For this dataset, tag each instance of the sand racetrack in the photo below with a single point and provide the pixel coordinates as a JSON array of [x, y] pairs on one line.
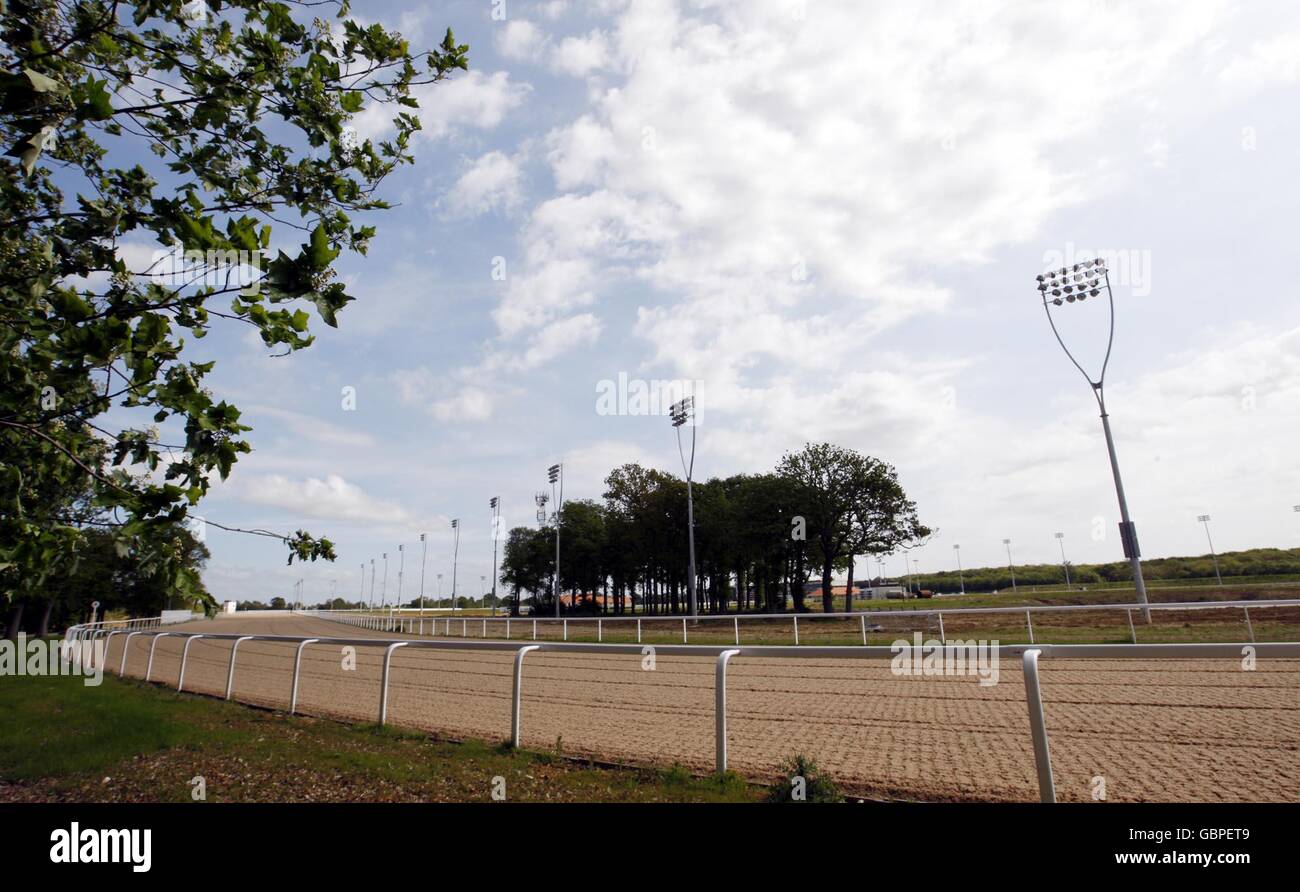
[[1159, 730]]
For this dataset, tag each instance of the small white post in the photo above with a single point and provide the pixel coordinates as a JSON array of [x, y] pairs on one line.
[[1029, 621], [1132, 632], [863, 620], [638, 630], [297, 665], [1249, 628], [600, 632], [566, 629], [796, 630], [1038, 725], [942, 639], [735, 621], [185, 656], [516, 694], [383, 682], [683, 630], [230, 672], [720, 709]]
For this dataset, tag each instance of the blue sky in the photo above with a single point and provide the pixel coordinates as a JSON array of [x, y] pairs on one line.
[[828, 216]]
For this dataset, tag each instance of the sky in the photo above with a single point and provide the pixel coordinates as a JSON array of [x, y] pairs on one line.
[[825, 219]]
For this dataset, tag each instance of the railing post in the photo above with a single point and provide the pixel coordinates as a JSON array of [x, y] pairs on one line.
[[736, 623], [720, 709], [126, 649], [484, 628], [942, 639], [153, 647], [1132, 632], [108, 642], [600, 632], [534, 630], [185, 656], [566, 630], [683, 630], [515, 695], [297, 665], [796, 630], [638, 630], [1249, 628], [863, 619], [1029, 621], [1038, 726], [383, 682], [230, 673], [507, 628]]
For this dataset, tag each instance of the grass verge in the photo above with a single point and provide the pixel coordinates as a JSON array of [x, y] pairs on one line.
[[125, 741]]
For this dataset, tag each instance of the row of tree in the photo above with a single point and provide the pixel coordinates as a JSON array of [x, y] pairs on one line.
[[758, 537]]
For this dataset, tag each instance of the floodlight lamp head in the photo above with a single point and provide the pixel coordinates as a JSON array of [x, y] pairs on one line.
[[1060, 535], [455, 523], [1006, 541], [492, 503], [1203, 518], [553, 473]]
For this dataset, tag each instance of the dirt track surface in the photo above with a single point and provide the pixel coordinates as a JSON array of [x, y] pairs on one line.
[[1160, 730]]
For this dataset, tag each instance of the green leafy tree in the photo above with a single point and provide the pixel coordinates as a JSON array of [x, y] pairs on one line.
[[211, 128]]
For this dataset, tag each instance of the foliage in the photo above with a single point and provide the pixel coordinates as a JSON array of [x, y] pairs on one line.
[[801, 771], [632, 550], [204, 127]]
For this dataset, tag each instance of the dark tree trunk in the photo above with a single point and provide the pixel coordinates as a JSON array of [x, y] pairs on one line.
[[15, 622], [44, 628], [828, 597], [848, 589]]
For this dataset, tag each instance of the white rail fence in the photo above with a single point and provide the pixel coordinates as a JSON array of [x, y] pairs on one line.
[[501, 627], [1028, 654]]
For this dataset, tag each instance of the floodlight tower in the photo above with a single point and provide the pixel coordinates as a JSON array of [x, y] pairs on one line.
[[495, 504], [372, 583], [555, 474], [424, 553], [1075, 284], [960, 575], [455, 555], [1205, 519], [1060, 540], [681, 412], [383, 589], [363, 582], [401, 567], [1012, 565], [541, 498]]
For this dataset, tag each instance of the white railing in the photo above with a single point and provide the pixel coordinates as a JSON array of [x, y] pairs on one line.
[[392, 620], [1029, 654]]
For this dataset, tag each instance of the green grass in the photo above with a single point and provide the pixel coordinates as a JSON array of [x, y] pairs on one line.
[[127, 741]]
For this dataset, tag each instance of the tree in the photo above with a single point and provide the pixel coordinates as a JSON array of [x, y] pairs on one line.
[[245, 104], [824, 474], [881, 519]]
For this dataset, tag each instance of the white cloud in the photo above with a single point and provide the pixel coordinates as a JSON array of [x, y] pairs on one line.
[[466, 404], [519, 39], [557, 338], [466, 100], [580, 56], [1273, 62], [492, 181], [331, 498]]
